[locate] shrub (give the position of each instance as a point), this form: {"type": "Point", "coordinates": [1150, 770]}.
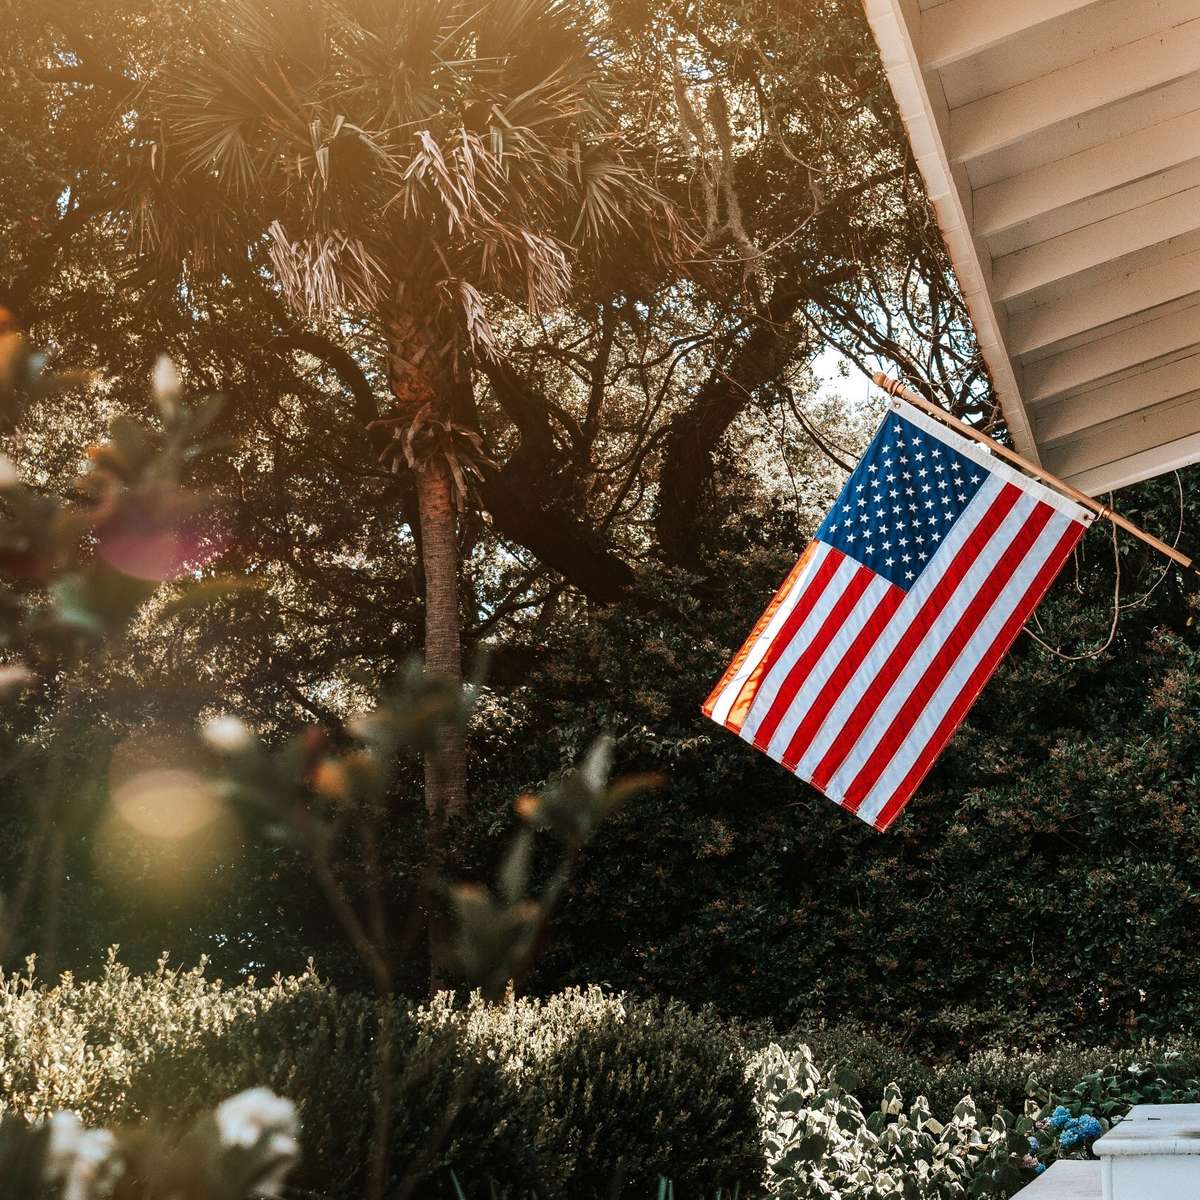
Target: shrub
{"type": "Point", "coordinates": [560, 1096]}
{"type": "Point", "coordinates": [296, 1037]}
{"type": "Point", "coordinates": [819, 1135]}
{"type": "Point", "coordinates": [583, 1093]}
{"type": "Point", "coordinates": [821, 1142]}
{"type": "Point", "coordinates": [80, 1045]}
{"type": "Point", "coordinates": [1005, 1079]}
{"type": "Point", "coordinates": [1066, 1125]}
{"type": "Point", "coordinates": [653, 1091]}
{"type": "Point", "coordinates": [865, 1061]}
{"type": "Point", "coordinates": [452, 1109]}
{"type": "Point", "coordinates": [1172, 1077]}
{"type": "Point", "coordinates": [630, 1090]}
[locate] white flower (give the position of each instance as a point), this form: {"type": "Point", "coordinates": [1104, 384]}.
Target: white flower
{"type": "Point", "coordinates": [79, 1159]}
{"type": "Point", "coordinates": [226, 733]}
{"type": "Point", "coordinates": [66, 1132]}
{"type": "Point", "coordinates": [245, 1120]}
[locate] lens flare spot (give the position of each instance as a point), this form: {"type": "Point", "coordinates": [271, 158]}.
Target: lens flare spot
{"type": "Point", "coordinates": [167, 835]}
{"type": "Point", "coordinates": [166, 802]}
{"type": "Point", "coordinates": [161, 542]}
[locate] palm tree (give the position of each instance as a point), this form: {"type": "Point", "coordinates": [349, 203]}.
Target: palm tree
{"type": "Point", "coordinates": [415, 160]}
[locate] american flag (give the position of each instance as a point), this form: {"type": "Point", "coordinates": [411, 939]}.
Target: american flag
{"type": "Point", "coordinates": [878, 642]}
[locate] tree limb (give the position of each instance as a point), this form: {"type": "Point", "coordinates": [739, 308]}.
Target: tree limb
{"type": "Point", "coordinates": [341, 362]}
{"type": "Point", "coordinates": [694, 434]}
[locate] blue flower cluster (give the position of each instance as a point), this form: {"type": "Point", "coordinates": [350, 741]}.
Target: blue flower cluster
{"type": "Point", "coordinates": [1074, 1131]}
{"type": "Point", "coordinates": [1070, 1138]}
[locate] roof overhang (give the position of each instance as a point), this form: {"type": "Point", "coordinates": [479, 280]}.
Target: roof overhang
{"type": "Point", "coordinates": [1059, 141]}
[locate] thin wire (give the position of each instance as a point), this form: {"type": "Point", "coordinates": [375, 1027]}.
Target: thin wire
{"type": "Point", "coordinates": [786, 461]}
{"type": "Point", "coordinates": [1174, 546]}
{"type": "Point", "coordinates": [1112, 633]}
{"type": "Point", "coordinates": [1118, 607]}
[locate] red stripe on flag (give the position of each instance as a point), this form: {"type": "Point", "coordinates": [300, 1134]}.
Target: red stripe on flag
{"type": "Point", "coordinates": [980, 676]}
{"type": "Point", "coordinates": [989, 522]}
{"type": "Point", "coordinates": [842, 673]}
{"type": "Point", "coordinates": [811, 655]}
{"type": "Point", "coordinates": [947, 653]}
{"type": "Point", "coordinates": [759, 628]}
{"type": "Point", "coordinates": [804, 605]}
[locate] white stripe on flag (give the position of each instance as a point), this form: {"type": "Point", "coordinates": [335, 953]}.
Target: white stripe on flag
{"type": "Point", "coordinates": [964, 590]}
{"type": "Point", "coordinates": [769, 687]}
{"type": "Point", "coordinates": [825, 666]}
{"type": "Point", "coordinates": [732, 690]}
{"type": "Point", "coordinates": [952, 683]}
{"type": "Point", "coordinates": [867, 672]}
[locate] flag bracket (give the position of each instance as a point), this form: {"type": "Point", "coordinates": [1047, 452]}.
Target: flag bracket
{"type": "Point", "coordinates": [894, 387]}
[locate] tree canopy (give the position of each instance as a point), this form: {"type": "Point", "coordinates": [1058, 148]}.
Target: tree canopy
{"type": "Point", "coordinates": [685, 215]}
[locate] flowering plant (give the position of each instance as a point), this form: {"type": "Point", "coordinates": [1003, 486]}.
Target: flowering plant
{"type": "Point", "coordinates": [1061, 1134]}
{"type": "Point", "coordinates": [241, 1151]}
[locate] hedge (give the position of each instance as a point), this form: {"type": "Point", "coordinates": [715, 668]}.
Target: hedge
{"type": "Point", "coordinates": [868, 1060]}
{"type": "Point", "coordinates": [1043, 885]}
{"type": "Point", "coordinates": [583, 1094]}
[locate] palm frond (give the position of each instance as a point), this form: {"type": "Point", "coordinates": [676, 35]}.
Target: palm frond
{"type": "Point", "coordinates": [451, 148]}
{"type": "Point", "coordinates": [324, 275]}
{"type": "Point", "coordinates": [547, 271]}
{"type": "Point", "coordinates": [291, 31]}
{"type": "Point", "coordinates": [208, 120]}
{"type": "Point", "coordinates": [467, 299]}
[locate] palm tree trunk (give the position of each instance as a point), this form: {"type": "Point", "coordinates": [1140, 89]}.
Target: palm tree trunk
{"type": "Point", "coordinates": [416, 382]}
{"type": "Point", "coordinates": [445, 770]}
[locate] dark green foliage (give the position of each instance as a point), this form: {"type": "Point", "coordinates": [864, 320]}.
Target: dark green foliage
{"type": "Point", "coordinates": [451, 1107]}
{"type": "Point", "coordinates": [655, 1091]}
{"type": "Point", "coordinates": [1004, 1079]}
{"type": "Point", "coordinates": [1044, 883]}
{"type": "Point", "coordinates": [569, 1096]}
{"type": "Point", "coordinates": [865, 1062]}
{"type": "Point", "coordinates": [1123, 1081]}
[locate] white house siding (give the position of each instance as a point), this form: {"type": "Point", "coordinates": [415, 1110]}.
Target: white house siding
{"type": "Point", "coordinates": [1060, 145]}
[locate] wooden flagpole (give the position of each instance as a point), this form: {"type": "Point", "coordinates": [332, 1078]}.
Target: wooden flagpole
{"type": "Point", "coordinates": [894, 387]}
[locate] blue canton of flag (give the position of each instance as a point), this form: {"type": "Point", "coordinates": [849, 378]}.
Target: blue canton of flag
{"type": "Point", "coordinates": [902, 500]}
